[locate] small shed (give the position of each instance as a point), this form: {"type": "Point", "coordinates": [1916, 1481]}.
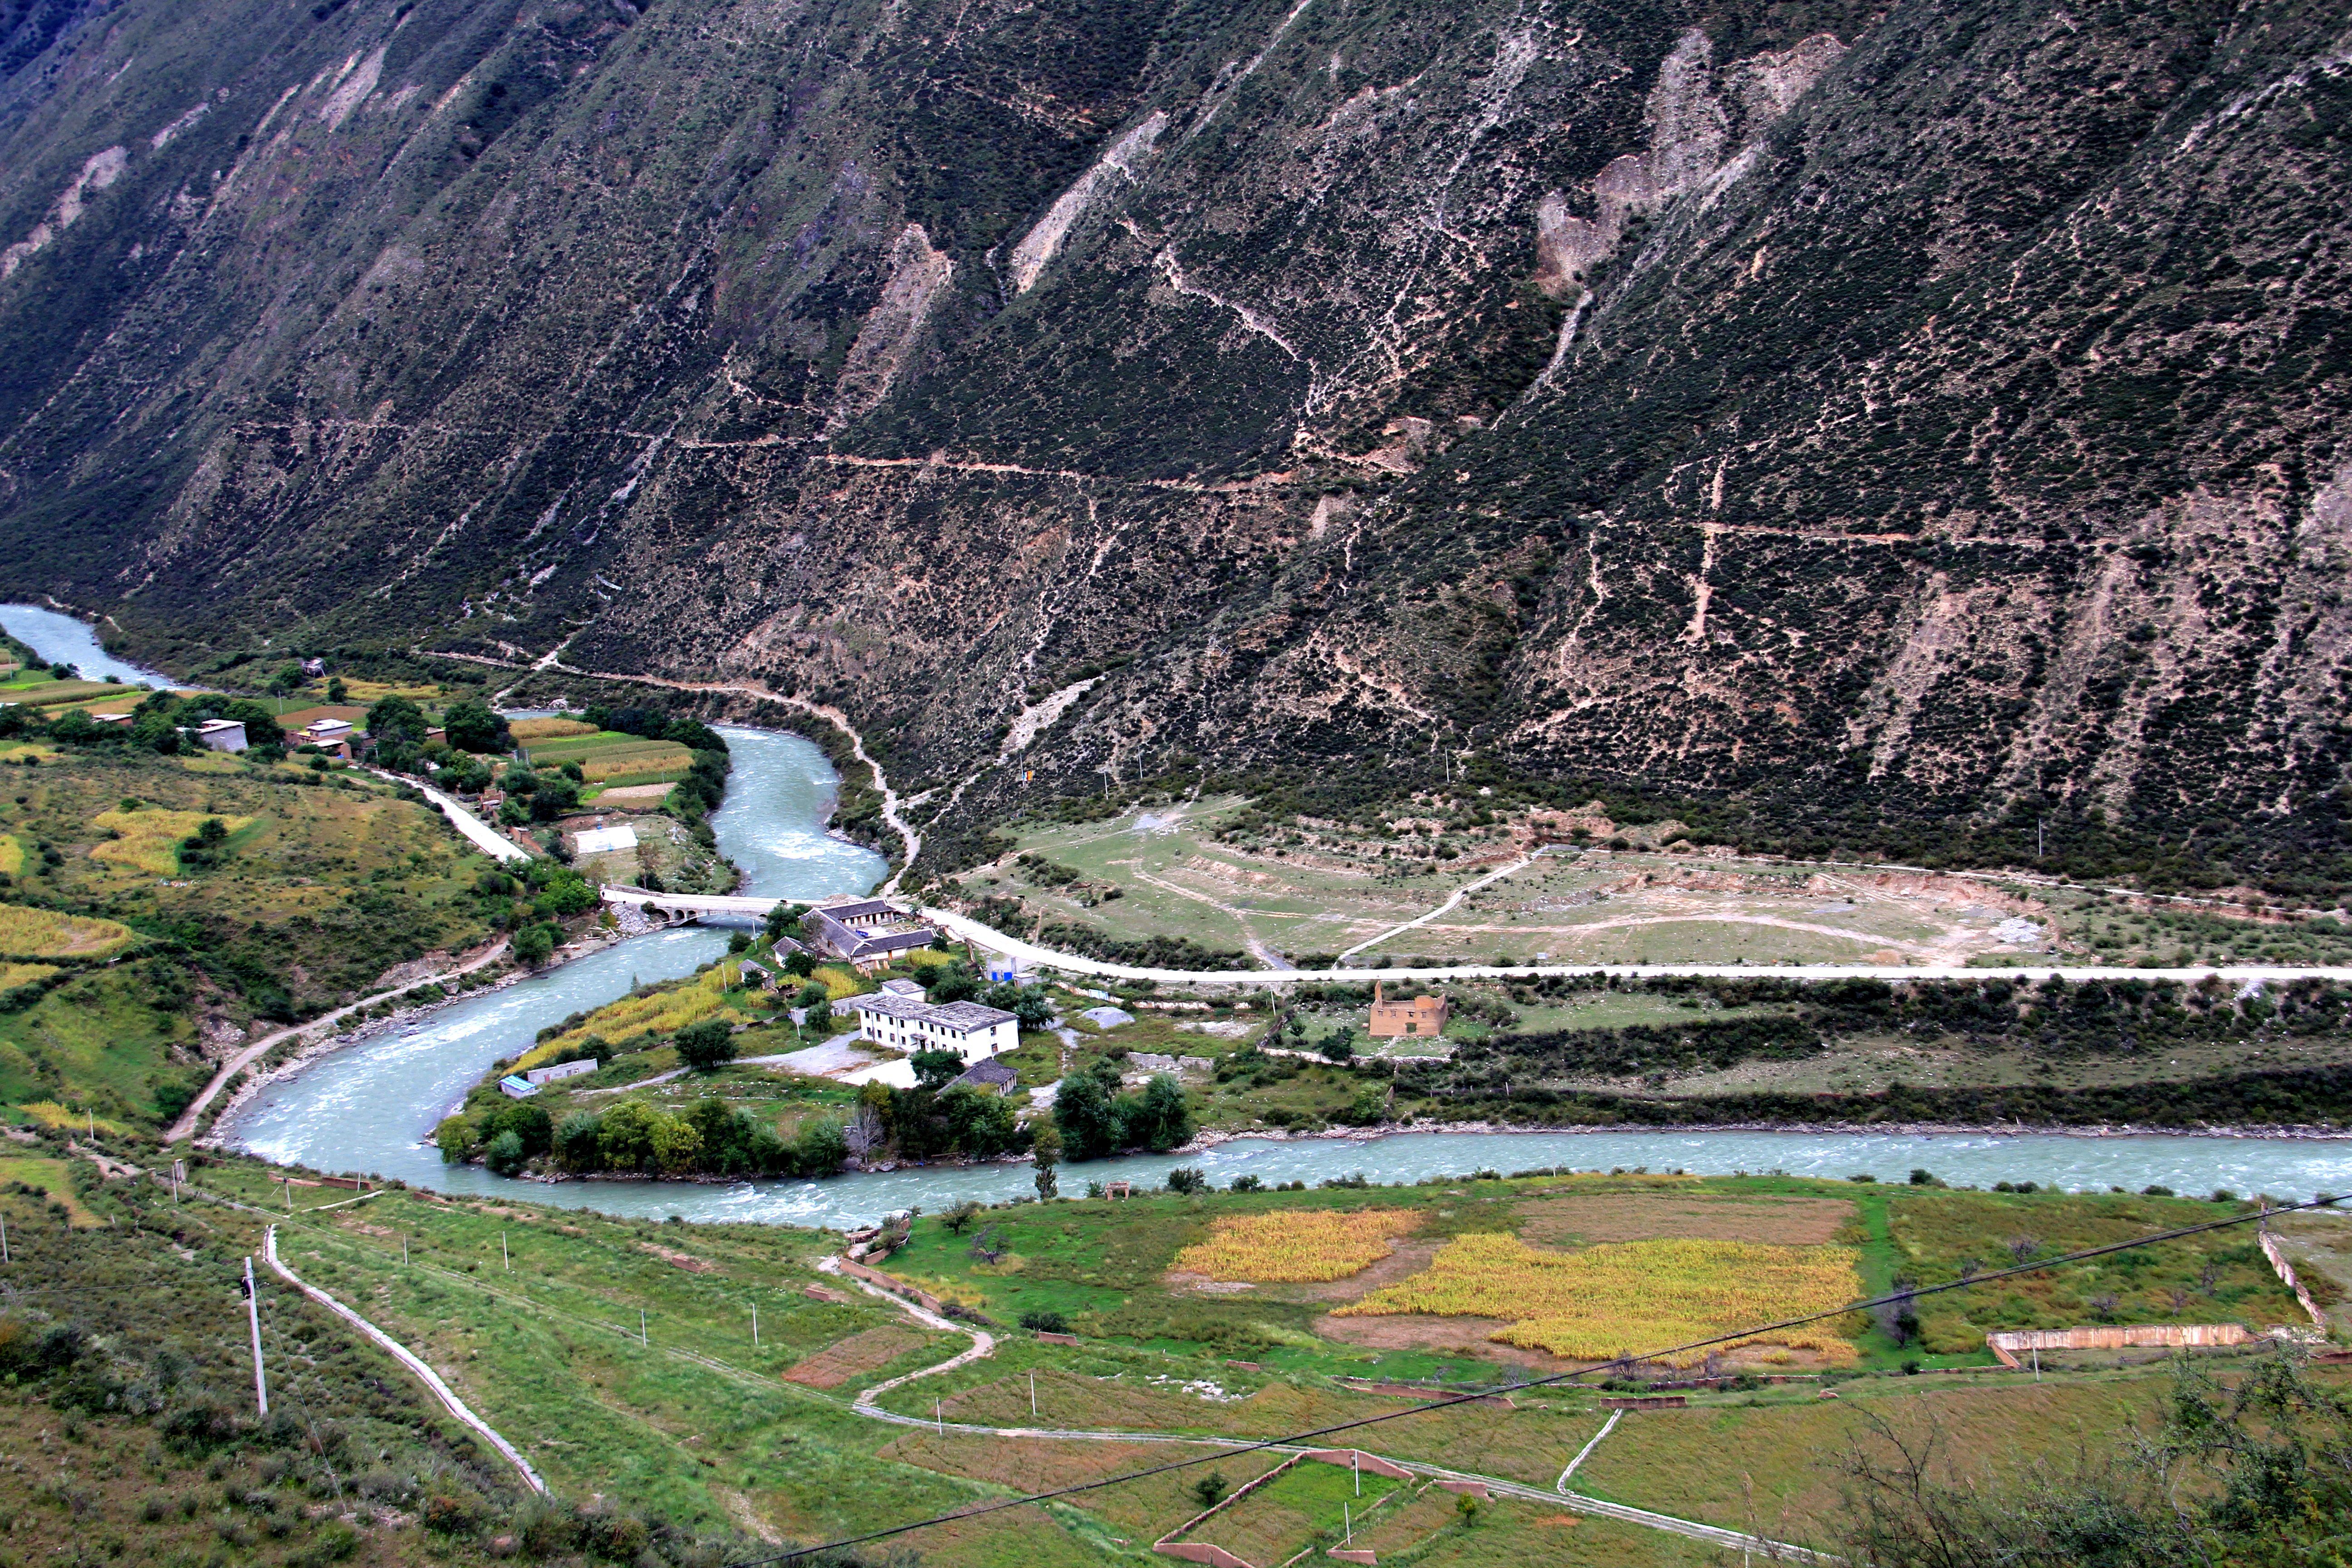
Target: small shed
{"type": "Point", "coordinates": [989, 1076]}
{"type": "Point", "coordinates": [515, 1087]}
{"type": "Point", "coordinates": [222, 735]}
{"type": "Point", "coordinates": [1003, 970]}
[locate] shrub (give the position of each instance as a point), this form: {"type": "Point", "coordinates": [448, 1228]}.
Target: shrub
{"type": "Point", "coordinates": [706, 1046]}
{"type": "Point", "coordinates": [1044, 1320]}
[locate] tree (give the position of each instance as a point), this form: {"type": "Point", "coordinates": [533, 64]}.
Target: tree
{"type": "Point", "coordinates": [1025, 1003]}
{"type": "Point", "coordinates": [261, 726]}
{"type": "Point", "coordinates": [821, 1148]}
{"type": "Point", "coordinates": [1044, 1320]}
{"type": "Point", "coordinates": [396, 719]}
{"type": "Point", "coordinates": [783, 919]}
{"type": "Point", "coordinates": [578, 1142]}
{"type": "Point", "coordinates": [1085, 1116]}
{"type": "Point", "coordinates": [937, 1069]}
{"type": "Point", "coordinates": [626, 1139]}
{"type": "Point", "coordinates": [554, 797]}
{"type": "Point", "coordinates": [470, 726]}
{"type": "Point", "coordinates": [504, 1155]}
{"type": "Point", "coordinates": [816, 1001]}
{"type": "Point", "coordinates": [951, 983]}
{"type": "Point", "coordinates": [675, 1145]}
{"type": "Point", "coordinates": [980, 1124]}
{"type": "Point", "coordinates": [707, 1045]}
{"type": "Point", "coordinates": [800, 964]}
{"type": "Point", "coordinates": [532, 945]}
{"type": "Point", "coordinates": [76, 728]}
{"type": "Point", "coordinates": [1209, 1487]}
{"type": "Point", "coordinates": [337, 690]}
{"type": "Point", "coordinates": [1048, 1152]}
{"type": "Point", "coordinates": [1165, 1118]}
{"type": "Point", "coordinates": [1187, 1180]}
{"type": "Point", "coordinates": [1339, 1046]}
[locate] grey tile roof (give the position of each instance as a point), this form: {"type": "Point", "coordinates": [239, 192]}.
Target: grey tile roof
{"type": "Point", "coordinates": [962, 1017]}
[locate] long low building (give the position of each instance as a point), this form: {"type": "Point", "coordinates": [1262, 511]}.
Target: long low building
{"type": "Point", "coordinates": [898, 1017]}
{"type": "Point", "coordinates": [869, 944]}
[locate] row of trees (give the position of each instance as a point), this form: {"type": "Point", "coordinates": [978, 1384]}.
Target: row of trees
{"type": "Point", "coordinates": [708, 1137]}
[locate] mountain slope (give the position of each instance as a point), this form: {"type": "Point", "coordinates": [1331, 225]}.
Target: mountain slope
{"type": "Point", "coordinates": [1892, 426]}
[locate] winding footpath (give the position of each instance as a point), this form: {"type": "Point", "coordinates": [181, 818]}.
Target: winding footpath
{"type": "Point", "coordinates": [185, 1126]}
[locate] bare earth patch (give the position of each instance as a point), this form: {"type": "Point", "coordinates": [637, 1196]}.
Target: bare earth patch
{"type": "Point", "coordinates": [1641, 1217]}
{"type": "Point", "coordinates": [838, 1363]}
{"type": "Point", "coordinates": [1409, 1257]}
{"type": "Point", "coordinates": [1423, 1332]}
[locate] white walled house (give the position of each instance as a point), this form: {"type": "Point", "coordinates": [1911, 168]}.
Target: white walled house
{"type": "Point", "coordinates": [910, 1024]}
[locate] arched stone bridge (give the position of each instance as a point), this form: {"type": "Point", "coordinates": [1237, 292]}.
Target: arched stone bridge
{"type": "Point", "coordinates": [678, 908]}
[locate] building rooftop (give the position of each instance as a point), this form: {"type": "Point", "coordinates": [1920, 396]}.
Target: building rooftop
{"type": "Point", "coordinates": [989, 1072]}
{"type": "Point", "coordinates": [1106, 1017]}
{"type": "Point", "coordinates": [857, 908]}
{"type": "Point", "coordinates": [962, 1017]}
{"type": "Point", "coordinates": [602, 840]}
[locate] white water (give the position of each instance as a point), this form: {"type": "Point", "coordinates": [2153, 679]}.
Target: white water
{"type": "Point", "coordinates": [369, 1107]}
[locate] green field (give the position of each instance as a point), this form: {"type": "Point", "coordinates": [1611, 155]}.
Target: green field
{"type": "Point", "coordinates": [704, 1429]}
{"type": "Point", "coordinates": [320, 889]}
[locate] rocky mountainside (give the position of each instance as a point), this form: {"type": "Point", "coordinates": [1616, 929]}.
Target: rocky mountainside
{"type": "Point", "coordinates": [1892, 426]}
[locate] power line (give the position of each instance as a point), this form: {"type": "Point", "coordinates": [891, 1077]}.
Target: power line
{"type": "Point", "coordinates": [1226, 1451]}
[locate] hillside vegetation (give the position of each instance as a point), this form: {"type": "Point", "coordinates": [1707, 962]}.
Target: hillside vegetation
{"type": "Point", "coordinates": [1841, 427]}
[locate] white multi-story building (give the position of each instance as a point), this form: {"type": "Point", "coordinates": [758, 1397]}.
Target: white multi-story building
{"type": "Point", "coordinates": [898, 1017]}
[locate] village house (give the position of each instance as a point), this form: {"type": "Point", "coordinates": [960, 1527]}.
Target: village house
{"type": "Point", "coordinates": [898, 1017]}
{"type": "Point", "coordinates": [222, 735]}
{"type": "Point", "coordinates": [1422, 1017]}
{"type": "Point", "coordinates": [868, 934]}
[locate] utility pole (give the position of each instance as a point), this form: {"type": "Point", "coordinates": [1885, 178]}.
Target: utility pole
{"type": "Point", "coordinates": [253, 1320]}
{"type": "Point", "coordinates": [641, 1328]}
{"type": "Point", "coordinates": [1033, 1394]}
{"type": "Point", "coordinates": [504, 1256]}
{"type": "Point", "coordinates": [755, 1326]}
{"type": "Point", "coordinates": [2037, 839]}
{"type": "Point", "coordinates": [403, 1251]}
{"type": "Point", "coordinates": [4, 1249]}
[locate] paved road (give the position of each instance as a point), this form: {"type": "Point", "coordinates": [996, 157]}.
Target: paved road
{"type": "Point", "coordinates": [185, 1126]}
{"type": "Point", "coordinates": [485, 837]}
{"type": "Point", "coordinates": [964, 928]}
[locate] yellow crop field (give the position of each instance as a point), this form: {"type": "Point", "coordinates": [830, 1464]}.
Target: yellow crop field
{"type": "Point", "coordinates": [45, 934]}
{"type": "Point", "coordinates": [1636, 1297]}
{"type": "Point", "coordinates": [548, 728]}
{"type": "Point", "coordinates": [150, 837]}
{"type": "Point", "coordinates": [662, 1012]}
{"type": "Point", "coordinates": [598, 768]}
{"type": "Point", "coordinates": [839, 980]}
{"type": "Point", "coordinates": [15, 974]}
{"type": "Point", "coordinates": [1296, 1247]}
{"type": "Point", "coordinates": [11, 854]}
